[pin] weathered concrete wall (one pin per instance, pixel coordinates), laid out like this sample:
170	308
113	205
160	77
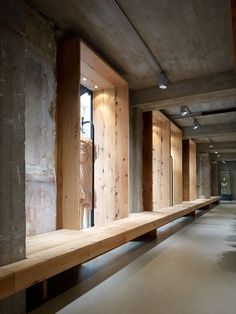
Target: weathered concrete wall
12	137
40	90
214	178
204	175
135	161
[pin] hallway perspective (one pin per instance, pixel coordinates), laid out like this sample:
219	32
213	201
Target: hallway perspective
188	272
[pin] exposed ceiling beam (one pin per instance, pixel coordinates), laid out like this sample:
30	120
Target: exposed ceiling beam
228	156
194	91
203	113
209	130
219	147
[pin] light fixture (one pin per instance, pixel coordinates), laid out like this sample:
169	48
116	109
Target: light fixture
162	80
95	86
84	79
195	124
218	155
211	145
184	110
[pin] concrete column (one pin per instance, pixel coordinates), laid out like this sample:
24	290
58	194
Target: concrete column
203	173
12	138
135	161
214	178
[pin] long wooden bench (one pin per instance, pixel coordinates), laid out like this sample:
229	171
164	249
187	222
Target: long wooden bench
51	253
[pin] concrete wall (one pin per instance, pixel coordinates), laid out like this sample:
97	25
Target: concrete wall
40	90
12	137
230	165
203	175
135	161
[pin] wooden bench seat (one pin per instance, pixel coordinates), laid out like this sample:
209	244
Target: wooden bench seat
54	252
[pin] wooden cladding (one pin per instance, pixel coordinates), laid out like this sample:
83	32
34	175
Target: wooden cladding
111	145
68	135
189	171
161	161
111	118
177	175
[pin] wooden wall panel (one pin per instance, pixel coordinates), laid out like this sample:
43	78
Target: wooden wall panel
147	144
192	171
68	135
111	146
189	171
176	153
161	161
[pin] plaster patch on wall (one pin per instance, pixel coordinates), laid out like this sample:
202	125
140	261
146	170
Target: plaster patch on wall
40	90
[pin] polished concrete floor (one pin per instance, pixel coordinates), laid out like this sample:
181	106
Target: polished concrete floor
189	269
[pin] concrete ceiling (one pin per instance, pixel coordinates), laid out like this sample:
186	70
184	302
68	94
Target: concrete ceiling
192	41
189	38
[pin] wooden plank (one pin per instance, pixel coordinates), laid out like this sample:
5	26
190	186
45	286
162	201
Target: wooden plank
161	161
83	245
104	123
147	145
122	150
93	78
68	135
111	143
189	171
7	283
176	153
192	171
96	63
185	170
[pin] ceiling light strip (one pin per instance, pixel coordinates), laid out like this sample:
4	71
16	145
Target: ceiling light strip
133	29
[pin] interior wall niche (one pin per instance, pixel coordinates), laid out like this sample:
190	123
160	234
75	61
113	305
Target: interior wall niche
189	171
177	174
147	173
227	167
78	64
157	161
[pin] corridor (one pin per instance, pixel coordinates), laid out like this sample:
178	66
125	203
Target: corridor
189	269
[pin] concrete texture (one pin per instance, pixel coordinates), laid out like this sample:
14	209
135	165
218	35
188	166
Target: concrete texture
230	165
190	269
203	175
12	137
189	38
40	89
214	178
135	161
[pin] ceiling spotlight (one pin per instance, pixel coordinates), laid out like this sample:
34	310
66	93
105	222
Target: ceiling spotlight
162	80
211	145
218	155
84	79
184	110
195	124
95	86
